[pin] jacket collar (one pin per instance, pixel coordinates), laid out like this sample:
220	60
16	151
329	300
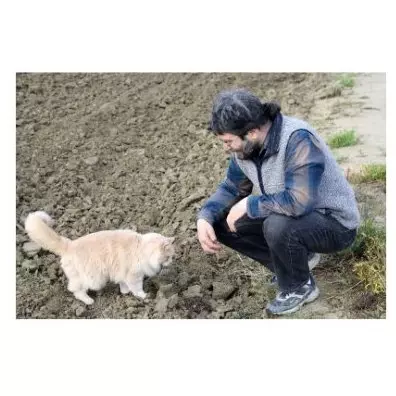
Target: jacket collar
271	143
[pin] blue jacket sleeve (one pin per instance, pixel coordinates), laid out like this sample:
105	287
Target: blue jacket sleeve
232	189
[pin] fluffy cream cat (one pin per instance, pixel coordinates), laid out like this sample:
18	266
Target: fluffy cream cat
89	262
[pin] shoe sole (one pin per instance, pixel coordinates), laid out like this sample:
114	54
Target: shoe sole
312	297
314	261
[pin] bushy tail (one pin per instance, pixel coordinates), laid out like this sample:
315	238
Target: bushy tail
38	226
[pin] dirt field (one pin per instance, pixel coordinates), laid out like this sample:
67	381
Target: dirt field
107	151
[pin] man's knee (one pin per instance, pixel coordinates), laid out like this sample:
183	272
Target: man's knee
276	227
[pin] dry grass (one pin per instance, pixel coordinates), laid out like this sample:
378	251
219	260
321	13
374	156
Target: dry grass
370	173
368	255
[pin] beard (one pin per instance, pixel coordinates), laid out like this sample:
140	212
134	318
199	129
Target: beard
250	149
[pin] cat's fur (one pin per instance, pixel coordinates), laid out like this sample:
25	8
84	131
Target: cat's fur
89	262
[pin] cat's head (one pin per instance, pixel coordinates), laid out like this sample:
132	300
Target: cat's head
159	250
167	249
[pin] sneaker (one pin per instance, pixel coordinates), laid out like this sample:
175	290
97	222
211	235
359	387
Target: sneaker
313	261
289	302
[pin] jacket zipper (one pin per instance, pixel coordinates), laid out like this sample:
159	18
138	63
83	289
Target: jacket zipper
259	176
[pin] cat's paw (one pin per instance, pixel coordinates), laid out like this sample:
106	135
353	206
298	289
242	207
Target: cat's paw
141	295
124	289
89	301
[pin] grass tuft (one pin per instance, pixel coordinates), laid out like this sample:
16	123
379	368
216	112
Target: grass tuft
343	139
368	253
370	173
347	80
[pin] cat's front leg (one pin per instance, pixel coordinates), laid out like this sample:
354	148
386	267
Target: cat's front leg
124	289
135	285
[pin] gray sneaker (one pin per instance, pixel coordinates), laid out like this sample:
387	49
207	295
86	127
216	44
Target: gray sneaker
289	302
313	261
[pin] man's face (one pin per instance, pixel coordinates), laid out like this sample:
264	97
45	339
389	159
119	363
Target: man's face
244	148
231	143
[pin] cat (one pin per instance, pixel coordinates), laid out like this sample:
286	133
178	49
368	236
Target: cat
89	262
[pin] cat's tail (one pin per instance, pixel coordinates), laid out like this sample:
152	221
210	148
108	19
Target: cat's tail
38	226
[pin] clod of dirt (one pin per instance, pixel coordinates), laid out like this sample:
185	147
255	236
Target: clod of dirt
184	277
165	290
80	311
193	291
222	290
173	300
29	264
162	305
21	239
224	307
91	160
195	197
194	306
52	272
71	165
30	248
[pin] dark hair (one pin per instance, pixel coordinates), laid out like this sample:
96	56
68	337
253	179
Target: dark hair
238	111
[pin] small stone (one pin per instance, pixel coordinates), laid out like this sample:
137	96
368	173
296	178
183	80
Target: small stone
80	311
222	290
236	301
174	299
36	89
52	272
29	264
193	291
21	238
91	160
166	290
183	279
30	248
71	193
72	165
161	306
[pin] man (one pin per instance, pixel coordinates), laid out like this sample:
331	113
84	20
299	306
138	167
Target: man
305	206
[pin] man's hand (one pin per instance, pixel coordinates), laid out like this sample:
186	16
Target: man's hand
236	212
207	237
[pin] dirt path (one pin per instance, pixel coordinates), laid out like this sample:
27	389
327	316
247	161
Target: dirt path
109	151
363	109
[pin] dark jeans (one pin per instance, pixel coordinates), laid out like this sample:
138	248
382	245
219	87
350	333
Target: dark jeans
282	243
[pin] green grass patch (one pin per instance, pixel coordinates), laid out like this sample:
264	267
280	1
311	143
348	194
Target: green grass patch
343	139
347	80
370	173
